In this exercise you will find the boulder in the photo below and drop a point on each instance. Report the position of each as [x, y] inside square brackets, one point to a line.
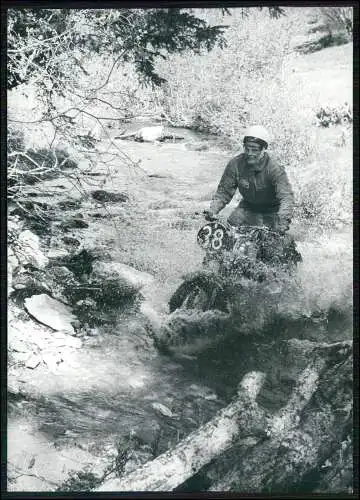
[33, 361]
[164, 410]
[107, 196]
[128, 277]
[69, 240]
[59, 249]
[28, 250]
[57, 253]
[69, 204]
[30, 283]
[145, 134]
[74, 223]
[51, 312]
[12, 260]
[150, 134]
[18, 345]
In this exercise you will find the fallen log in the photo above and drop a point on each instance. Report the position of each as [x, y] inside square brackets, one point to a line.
[243, 417]
[310, 428]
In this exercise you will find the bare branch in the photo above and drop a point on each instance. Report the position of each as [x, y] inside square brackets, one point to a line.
[21, 153]
[38, 44]
[110, 73]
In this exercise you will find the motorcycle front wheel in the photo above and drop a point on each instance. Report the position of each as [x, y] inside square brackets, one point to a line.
[199, 295]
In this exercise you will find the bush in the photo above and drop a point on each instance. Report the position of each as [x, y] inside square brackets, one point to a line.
[336, 22]
[80, 481]
[224, 91]
[333, 115]
[329, 40]
[338, 19]
[323, 188]
[28, 166]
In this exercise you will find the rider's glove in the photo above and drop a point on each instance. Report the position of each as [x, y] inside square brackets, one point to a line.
[209, 215]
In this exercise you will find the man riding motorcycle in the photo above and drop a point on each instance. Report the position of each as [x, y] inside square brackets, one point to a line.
[245, 264]
[267, 194]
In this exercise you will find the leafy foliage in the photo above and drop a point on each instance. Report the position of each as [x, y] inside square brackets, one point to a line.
[336, 24]
[80, 481]
[47, 42]
[328, 40]
[338, 18]
[334, 115]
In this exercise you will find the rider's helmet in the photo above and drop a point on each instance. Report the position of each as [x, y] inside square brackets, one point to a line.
[258, 134]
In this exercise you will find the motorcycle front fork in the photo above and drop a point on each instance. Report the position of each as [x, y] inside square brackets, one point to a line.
[211, 263]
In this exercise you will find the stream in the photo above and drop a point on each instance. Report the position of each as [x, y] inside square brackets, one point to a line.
[112, 387]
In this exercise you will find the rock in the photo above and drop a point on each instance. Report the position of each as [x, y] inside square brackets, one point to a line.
[29, 251]
[30, 283]
[80, 264]
[211, 397]
[17, 345]
[21, 357]
[164, 410]
[50, 312]
[33, 362]
[128, 276]
[57, 253]
[86, 303]
[107, 196]
[145, 134]
[98, 215]
[69, 204]
[197, 146]
[19, 286]
[202, 392]
[68, 240]
[92, 332]
[42, 341]
[62, 273]
[74, 223]
[12, 260]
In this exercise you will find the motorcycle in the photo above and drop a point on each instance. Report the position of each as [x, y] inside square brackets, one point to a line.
[243, 266]
[233, 257]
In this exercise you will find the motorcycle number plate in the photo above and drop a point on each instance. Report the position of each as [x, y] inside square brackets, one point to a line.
[213, 236]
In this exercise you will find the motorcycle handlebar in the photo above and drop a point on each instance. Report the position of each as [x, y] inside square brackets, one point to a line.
[261, 228]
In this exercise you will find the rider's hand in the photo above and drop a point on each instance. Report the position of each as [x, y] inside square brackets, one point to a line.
[209, 215]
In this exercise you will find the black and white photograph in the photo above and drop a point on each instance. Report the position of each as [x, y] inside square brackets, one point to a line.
[180, 249]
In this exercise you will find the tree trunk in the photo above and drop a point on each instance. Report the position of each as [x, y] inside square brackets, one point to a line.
[166, 472]
[312, 427]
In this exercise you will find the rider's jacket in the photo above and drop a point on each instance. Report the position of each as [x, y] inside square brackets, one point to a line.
[264, 187]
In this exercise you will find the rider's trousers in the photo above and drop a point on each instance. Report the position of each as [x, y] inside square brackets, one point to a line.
[243, 216]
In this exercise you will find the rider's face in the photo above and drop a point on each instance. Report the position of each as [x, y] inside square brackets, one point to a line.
[253, 152]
